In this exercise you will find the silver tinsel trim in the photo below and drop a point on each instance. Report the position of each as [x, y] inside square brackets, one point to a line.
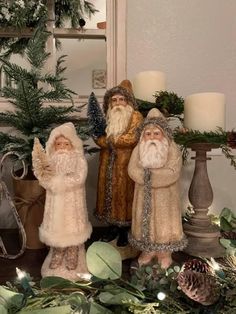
[147, 204]
[159, 122]
[147, 246]
[108, 194]
[113, 221]
[108, 185]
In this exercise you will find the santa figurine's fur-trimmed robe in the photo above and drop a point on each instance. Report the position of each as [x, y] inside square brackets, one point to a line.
[65, 221]
[115, 188]
[156, 216]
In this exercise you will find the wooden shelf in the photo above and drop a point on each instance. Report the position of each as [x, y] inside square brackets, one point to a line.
[58, 33]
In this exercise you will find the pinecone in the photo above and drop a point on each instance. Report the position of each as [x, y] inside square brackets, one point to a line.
[196, 265]
[202, 288]
[228, 235]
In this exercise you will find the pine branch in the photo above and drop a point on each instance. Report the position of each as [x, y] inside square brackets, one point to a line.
[36, 54]
[59, 68]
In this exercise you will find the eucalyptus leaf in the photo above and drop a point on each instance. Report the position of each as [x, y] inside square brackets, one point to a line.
[225, 224]
[177, 269]
[64, 309]
[77, 299]
[54, 281]
[226, 213]
[169, 271]
[96, 308]
[225, 242]
[148, 269]
[233, 243]
[120, 298]
[10, 298]
[3, 310]
[104, 261]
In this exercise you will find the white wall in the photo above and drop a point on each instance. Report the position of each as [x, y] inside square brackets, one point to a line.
[193, 42]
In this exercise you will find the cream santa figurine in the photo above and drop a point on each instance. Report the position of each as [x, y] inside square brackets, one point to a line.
[62, 171]
[155, 167]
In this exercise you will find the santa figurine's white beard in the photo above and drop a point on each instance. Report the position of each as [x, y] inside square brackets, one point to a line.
[118, 119]
[153, 153]
[64, 162]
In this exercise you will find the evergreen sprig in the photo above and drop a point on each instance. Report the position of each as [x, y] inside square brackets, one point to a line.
[187, 137]
[169, 103]
[30, 90]
[220, 137]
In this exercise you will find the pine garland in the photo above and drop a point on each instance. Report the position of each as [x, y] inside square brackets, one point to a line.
[185, 138]
[121, 296]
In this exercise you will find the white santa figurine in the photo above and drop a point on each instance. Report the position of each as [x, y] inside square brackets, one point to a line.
[155, 167]
[62, 171]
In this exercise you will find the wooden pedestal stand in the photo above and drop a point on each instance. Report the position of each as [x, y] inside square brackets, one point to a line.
[203, 237]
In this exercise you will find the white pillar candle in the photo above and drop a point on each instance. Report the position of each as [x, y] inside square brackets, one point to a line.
[146, 83]
[204, 112]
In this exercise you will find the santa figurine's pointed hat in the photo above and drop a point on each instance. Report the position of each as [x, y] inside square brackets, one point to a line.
[125, 89]
[68, 131]
[156, 118]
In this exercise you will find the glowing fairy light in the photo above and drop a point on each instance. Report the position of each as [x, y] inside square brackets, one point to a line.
[161, 296]
[216, 267]
[22, 276]
[214, 264]
[84, 276]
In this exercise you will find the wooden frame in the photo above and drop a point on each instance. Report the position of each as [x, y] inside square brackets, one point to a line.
[116, 42]
[115, 35]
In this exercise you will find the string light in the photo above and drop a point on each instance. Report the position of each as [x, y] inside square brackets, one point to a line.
[84, 276]
[216, 267]
[22, 276]
[161, 296]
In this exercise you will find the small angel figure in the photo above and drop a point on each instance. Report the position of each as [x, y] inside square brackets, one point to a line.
[62, 171]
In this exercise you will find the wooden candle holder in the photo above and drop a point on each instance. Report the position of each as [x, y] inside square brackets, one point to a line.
[202, 235]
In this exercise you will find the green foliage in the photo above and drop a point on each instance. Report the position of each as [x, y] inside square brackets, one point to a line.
[72, 10]
[21, 14]
[139, 295]
[189, 137]
[30, 89]
[228, 224]
[219, 138]
[104, 261]
[169, 103]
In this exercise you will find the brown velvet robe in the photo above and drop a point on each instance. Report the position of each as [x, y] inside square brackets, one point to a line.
[115, 188]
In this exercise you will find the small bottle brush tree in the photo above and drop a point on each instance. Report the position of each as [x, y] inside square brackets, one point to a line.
[29, 90]
[96, 117]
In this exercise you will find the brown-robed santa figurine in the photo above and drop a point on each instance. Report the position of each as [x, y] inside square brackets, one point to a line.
[62, 171]
[115, 188]
[155, 167]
